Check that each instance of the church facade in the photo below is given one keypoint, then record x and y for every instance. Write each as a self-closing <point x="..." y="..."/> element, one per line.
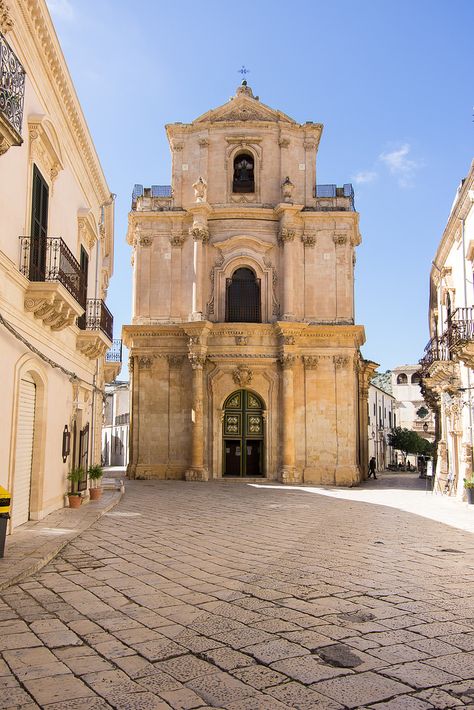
<point x="244" y="356"/>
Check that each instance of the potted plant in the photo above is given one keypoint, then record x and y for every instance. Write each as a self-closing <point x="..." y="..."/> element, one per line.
<point x="95" y="474"/>
<point x="469" y="486"/>
<point x="75" y="476"/>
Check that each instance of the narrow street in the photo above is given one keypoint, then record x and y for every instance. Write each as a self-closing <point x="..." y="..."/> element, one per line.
<point x="190" y="595"/>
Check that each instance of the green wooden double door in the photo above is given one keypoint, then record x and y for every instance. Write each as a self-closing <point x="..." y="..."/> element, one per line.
<point x="243" y="435"/>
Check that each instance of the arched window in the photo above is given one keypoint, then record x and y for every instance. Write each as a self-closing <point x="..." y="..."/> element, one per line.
<point x="243" y="297"/>
<point x="244" y="178"/>
<point x="415" y="379"/>
<point x="402" y="379"/>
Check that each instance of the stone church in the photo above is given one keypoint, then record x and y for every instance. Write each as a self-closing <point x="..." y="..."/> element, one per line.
<point x="244" y="356"/>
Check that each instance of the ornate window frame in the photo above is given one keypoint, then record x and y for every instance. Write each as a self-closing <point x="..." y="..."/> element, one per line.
<point x="233" y="253"/>
<point x="237" y="146"/>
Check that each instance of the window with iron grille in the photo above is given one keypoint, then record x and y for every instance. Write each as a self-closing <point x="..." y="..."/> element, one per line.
<point x="243" y="297"/>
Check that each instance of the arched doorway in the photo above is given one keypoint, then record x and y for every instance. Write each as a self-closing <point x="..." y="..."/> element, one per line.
<point x="243" y="435"/>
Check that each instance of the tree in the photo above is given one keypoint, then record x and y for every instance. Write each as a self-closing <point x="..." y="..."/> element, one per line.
<point x="409" y="442"/>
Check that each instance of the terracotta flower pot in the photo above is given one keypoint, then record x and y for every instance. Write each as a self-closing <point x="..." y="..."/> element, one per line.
<point x="74" y="501"/>
<point x="95" y="493"/>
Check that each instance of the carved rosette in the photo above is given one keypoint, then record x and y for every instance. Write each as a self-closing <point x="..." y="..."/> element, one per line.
<point x="175" y="362"/>
<point x="242" y="375"/>
<point x="196" y="361"/>
<point x="145" y="240"/>
<point x="286" y="360"/>
<point x="310" y="362"/>
<point x="199" y="233"/>
<point x="285" y="235"/>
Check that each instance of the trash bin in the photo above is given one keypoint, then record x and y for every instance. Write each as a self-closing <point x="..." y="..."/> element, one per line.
<point x="5" y="504"/>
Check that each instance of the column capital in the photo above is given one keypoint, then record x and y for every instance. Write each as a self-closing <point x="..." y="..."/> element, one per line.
<point x="286" y="360"/>
<point x="197" y="361"/>
<point x="285" y="235"/>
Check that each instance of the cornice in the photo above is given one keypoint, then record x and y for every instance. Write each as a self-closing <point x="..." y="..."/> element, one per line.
<point x="40" y="28"/>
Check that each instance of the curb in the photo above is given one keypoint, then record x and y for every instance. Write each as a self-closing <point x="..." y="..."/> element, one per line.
<point x="31" y="564"/>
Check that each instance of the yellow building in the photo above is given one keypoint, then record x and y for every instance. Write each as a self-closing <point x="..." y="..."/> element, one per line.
<point x="244" y="354"/>
<point x="56" y="258"/>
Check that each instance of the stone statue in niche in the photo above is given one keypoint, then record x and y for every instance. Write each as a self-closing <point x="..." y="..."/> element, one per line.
<point x="200" y="189"/>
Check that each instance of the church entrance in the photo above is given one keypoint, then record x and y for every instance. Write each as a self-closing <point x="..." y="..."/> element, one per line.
<point x="243" y="435"/>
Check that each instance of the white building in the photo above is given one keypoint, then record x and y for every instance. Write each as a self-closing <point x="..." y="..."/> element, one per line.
<point x="56" y="259"/>
<point x="115" y="431"/>
<point x="447" y="374"/>
<point x="381" y="419"/>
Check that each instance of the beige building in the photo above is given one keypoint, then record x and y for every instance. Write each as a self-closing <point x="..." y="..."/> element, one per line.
<point x="56" y="256"/>
<point x="447" y="366"/>
<point x="115" y="429"/>
<point x="244" y="355"/>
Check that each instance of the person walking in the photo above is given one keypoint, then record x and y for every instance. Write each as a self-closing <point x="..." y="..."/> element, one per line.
<point x="372" y="467"/>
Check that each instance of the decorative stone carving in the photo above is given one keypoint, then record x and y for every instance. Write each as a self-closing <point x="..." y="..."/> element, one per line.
<point x="175" y="362"/>
<point x="6" y="21"/>
<point x="131" y="363"/>
<point x="177" y="238"/>
<point x="284" y="142"/>
<point x="242" y="375"/>
<point x="340" y="361"/>
<point x="144" y="363"/>
<point x="241" y="340"/>
<point x="196" y="361"/>
<point x="286" y="360"/>
<point x="193" y="340"/>
<point x="288" y="339"/>
<point x="200" y="189"/>
<point x="310" y="362"/>
<point x="309" y="145"/>
<point x="285" y="235"/>
<point x="339" y="239"/>
<point x="177" y="146"/>
<point x="145" y="240"/>
<point x="287" y="188"/>
<point x="308" y="239"/>
<point x="203" y="142"/>
<point x="199" y="233"/>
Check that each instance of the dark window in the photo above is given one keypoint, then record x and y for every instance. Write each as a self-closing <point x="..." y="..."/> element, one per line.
<point x="415" y="379"/>
<point x="243" y="298"/>
<point x="39" y="226"/>
<point x="402" y="379"/>
<point x="81" y="321"/>
<point x="243" y="180"/>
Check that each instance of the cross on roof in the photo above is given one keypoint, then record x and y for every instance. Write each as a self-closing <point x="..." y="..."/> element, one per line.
<point x="243" y="70"/>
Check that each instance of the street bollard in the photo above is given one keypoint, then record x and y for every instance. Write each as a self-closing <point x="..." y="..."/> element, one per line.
<point x="5" y="504"/>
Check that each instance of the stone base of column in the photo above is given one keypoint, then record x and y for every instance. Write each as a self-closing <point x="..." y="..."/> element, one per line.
<point x="347" y="475"/>
<point x="290" y="475"/>
<point x="197" y="474"/>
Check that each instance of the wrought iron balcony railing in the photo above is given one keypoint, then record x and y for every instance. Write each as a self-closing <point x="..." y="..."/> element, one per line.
<point x="97" y="317"/>
<point x="114" y="354"/>
<point x="12" y="87"/>
<point x="49" y="259"/>
<point x="436" y="349"/>
<point x="461" y="326"/>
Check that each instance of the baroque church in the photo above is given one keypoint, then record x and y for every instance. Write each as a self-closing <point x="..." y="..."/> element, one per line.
<point x="244" y="356"/>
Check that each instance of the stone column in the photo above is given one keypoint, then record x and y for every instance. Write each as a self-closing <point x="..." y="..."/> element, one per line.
<point x="286" y="237"/>
<point x="200" y="234"/>
<point x="176" y="241"/>
<point x="288" y="471"/>
<point x="134" y="416"/>
<point x="197" y="472"/>
<point x="366" y="372"/>
<point x="176" y="463"/>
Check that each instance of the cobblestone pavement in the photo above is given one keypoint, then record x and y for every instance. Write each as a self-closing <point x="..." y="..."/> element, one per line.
<point x="191" y="595"/>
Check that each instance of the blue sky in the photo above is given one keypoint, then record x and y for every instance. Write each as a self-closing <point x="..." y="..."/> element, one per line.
<point x="392" y="83"/>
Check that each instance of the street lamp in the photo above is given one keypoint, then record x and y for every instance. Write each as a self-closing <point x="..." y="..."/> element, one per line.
<point x="425" y="427"/>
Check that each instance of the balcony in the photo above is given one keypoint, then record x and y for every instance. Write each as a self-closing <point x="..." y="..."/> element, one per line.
<point x="113" y="361"/>
<point x="330" y="198"/>
<point x="438" y="369"/>
<point x="12" y="93"/>
<point x="461" y="335"/>
<point x="97" y="325"/>
<point x="57" y="290"/>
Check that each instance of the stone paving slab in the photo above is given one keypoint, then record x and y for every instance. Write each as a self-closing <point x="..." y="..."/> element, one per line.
<point x="34" y="544"/>
<point x="245" y="598"/>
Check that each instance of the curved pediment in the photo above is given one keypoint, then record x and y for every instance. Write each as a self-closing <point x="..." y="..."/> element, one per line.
<point x="243" y="243"/>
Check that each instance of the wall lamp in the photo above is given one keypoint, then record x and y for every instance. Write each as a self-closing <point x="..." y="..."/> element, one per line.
<point x="66" y="443"/>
